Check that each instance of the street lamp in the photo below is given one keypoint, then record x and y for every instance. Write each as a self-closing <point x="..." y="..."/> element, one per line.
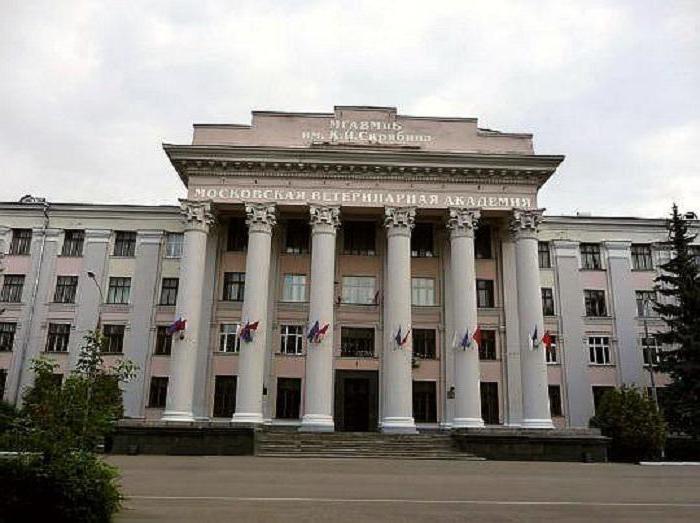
<point x="92" y="276"/>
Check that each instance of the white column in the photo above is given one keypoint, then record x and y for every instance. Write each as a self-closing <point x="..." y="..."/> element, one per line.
<point x="532" y="358"/>
<point x="251" y="363"/>
<point x="318" y="392"/>
<point x="397" y="412"/>
<point x="461" y="224"/>
<point x="183" y="364"/>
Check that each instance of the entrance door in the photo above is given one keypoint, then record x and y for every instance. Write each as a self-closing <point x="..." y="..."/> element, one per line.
<point x="356" y="401"/>
<point x="489" y="403"/>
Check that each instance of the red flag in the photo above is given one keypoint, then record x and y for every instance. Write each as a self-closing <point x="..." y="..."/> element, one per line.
<point x="477" y="335"/>
<point x="253" y="326"/>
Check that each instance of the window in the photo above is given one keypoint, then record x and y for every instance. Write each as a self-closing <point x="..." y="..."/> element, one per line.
<point x="228" y="341"/>
<point x="487" y="347"/>
<point x="168" y="291"/>
<point x="73" y="243"/>
<point x="58" y="337"/>
<point x="650" y="351"/>
<point x="114" y="339"/>
<point x="359" y="238"/>
<point x="695" y="255"/>
<point x="12" y="286"/>
<point x="288" y="398"/>
<point x="119" y="290"/>
<point x="224" y="396"/>
<point x="424" y="343"/>
<point x="595" y="303"/>
<point x="297" y="239"/>
<point x="543" y="255"/>
<point x="422" y="241"/>
<point x="424" y="401"/>
<point x="489" y="403"/>
<point x="291" y="339"/>
<point x="645" y="303"/>
<point x="174" y="242"/>
<point x="482" y="243"/>
<point x="158" y="393"/>
<point x="164" y="341"/>
<point x="234" y="286"/>
<point x="422" y="291"/>
<point x="21" y="242"/>
<point x="598" y="393"/>
<point x="294" y="287"/>
<point x="65" y="289"/>
<point x="599" y="350"/>
<point x="641" y="257"/>
<point x="237" y="235"/>
<point x="124" y="243"/>
<point x="547" y="301"/>
<point x="484" y="293"/>
<point x="590" y="256"/>
<point x="554" y="401"/>
<point x="358" y="290"/>
<point x="550" y="353"/>
<point x="3" y="382"/>
<point x="356" y="342"/>
<point x="7" y="336"/>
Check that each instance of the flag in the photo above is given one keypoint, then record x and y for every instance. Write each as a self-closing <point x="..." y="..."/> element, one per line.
<point x="464" y="343"/>
<point x="534" y="341"/>
<point x="547" y="339"/>
<point x="476" y="337"/>
<point x="400" y="339"/>
<point x="322" y="332"/>
<point x="313" y="332"/>
<point x="177" y="326"/>
<point x="405" y="338"/>
<point x="397" y="338"/>
<point x="246" y="333"/>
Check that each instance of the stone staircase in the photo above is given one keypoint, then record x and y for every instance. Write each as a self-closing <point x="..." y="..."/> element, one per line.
<point x="292" y="444"/>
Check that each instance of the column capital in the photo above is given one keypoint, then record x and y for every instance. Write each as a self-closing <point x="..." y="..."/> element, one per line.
<point x="197" y="215"/>
<point x="524" y="223"/>
<point x="399" y="220"/>
<point x="463" y="221"/>
<point x="324" y="219"/>
<point x="261" y="217"/>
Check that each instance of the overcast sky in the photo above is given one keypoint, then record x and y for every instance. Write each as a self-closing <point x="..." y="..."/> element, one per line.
<point x="90" y="90"/>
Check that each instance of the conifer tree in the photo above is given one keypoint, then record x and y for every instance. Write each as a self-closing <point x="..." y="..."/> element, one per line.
<point x="679" y="285"/>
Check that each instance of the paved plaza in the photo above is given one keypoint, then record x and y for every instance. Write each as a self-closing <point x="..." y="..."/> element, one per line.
<point x="216" y="488"/>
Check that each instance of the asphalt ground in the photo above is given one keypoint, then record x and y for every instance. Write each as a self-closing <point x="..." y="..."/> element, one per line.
<point x="217" y="488"/>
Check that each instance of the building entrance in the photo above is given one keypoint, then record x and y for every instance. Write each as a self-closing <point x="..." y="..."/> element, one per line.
<point x="356" y="400"/>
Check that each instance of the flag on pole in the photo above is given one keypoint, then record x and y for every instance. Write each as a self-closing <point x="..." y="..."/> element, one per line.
<point x="322" y="332"/>
<point x="177" y="326"/>
<point x="313" y="332"/>
<point x="534" y="340"/>
<point x="476" y="337"/>
<point x="400" y="339"/>
<point x="465" y="341"/>
<point x="246" y="333"/>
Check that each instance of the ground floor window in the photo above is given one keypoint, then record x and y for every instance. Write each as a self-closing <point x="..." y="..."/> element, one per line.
<point x="598" y="393"/>
<point x="224" y="396"/>
<point x="489" y="403"/>
<point x="158" y="392"/>
<point x="555" y="401"/>
<point x="424" y="402"/>
<point x="288" y="398"/>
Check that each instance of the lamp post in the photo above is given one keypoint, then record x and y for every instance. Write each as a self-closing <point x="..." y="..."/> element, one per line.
<point x="92" y="276"/>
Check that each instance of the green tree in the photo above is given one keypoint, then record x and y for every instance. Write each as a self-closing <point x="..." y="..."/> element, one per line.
<point x="631" y="419"/>
<point x="679" y="285"/>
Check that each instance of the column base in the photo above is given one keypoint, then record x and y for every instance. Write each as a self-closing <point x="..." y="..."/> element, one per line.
<point x="247" y="418"/>
<point x="537" y="424"/>
<point x="467" y="423"/>
<point x="174" y="415"/>
<point x="317" y="423"/>
<point x="399" y="426"/>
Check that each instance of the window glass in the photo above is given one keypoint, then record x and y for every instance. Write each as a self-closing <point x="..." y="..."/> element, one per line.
<point x="294" y="288"/>
<point x="234" y="286"/>
<point x="484" y="293"/>
<point x="422" y="241"/>
<point x="291" y="339"/>
<point x="228" y="341"/>
<point x="359" y="290"/>
<point x="173" y="244"/>
<point x="357" y="342"/>
<point x="119" y="290"/>
<point x="422" y="291"/>
<point x="599" y="350"/>
<point x="359" y="238"/>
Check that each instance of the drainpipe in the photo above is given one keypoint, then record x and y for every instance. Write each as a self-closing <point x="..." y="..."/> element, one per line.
<point x="32" y="309"/>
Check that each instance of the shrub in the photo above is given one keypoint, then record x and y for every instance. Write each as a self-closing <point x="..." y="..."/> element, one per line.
<point x="631" y="419"/>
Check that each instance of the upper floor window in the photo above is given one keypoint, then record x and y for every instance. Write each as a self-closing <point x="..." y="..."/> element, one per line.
<point x="487" y="347"/>
<point x="357" y="342"/>
<point x="645" y="303"/>
<point x="550" y="352"/>
<point x="237" y="235"/>
<point x="482" y="243"/>
<point x="234" y="286"/>
<point x="359" y="238"/>
<point x="124" y="243"/>
<point x="119" y="290"/>
<point x="590" y="256"/>
<point x="641" y="257"/>
<point x="73" y="242"/>
<point x="297" y="237"/>
<point x="547" y="301"/>
<point x="58" y="337"/>
<point x="599" y="350"/>
<point x="424" y="343"/>
<point x="12" y="286"/>
<point x="21" y="241"/>
<point x="484" y="293"/>
<point x="358" y="290"/>
<point x="294" y="287"/>
<point x="650" y="351"/>
<point x="164" y="341"/>
<point x="543" y="255"/>
<point x="65" y="289"/>
<point x="228" y="339"/>
<point x="174" y="242"/>
<point x="595" y="303"/>
<point x="7" y="336"/>
<point x="168" y="291"/>
<point x="113" y="339"/>
<point x="422" y="241"/>
<point x="291" y="339"/>
<point x="422" y="291"/>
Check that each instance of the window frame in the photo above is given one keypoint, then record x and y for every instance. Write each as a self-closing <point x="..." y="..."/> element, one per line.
<point x="119" y="290"/>
<point x="168" y="295"/>
<point x="423" y="240"/>
<point x="236" y="235"/>
<point x="295" y="334"/>
<point x="174" y="245"/>
<point x="21" y="242"/>
<point x="114" y="341"/>
<point x="642" y="261"/>
<point x="483" y="243"/>
<point x="601" y="348"/>
<point x="641" y="310"/>
<point x="358" y="290"/>
<point x="359" y="238"/>
<point x="158" y="392"/>
<point x="297" y="237"/>
<point x="544" y="255"/>
<point x="488" y="350"/>
<point x="124" y="244"/>
<point x="593" y="306"/>
<point x="227" y="336"/>
<point x="164" y="341"/>
<point x="548" y="306"/>
<point x="423" y="291"/>
<point x="485" y="298"/>
<point x="8" y="329"/>
<point x="65" y="292"/>
<point x="591" y="256"/>
<point x="555" y="408"/>
<point x="357" y="351"/>
<point x="57" y="337"/>
<point x="12" y="288"/>
<point x="73" y="243"/>
<point x="424" y="342"/>
<point x="233" y="281"/>
<point x="294" y="288"/>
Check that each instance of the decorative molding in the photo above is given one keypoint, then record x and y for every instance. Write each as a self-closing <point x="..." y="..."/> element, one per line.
<point x="525" y="222"/>
<point x="462" y="221"/>
<point x="324" y="215"/>
<point x="260" y="217"/>
<point x="399" y="219"/>
<point x="197" y="215"/>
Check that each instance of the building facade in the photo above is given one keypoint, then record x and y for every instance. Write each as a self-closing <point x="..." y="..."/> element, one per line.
<point x="356" y="270"/>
